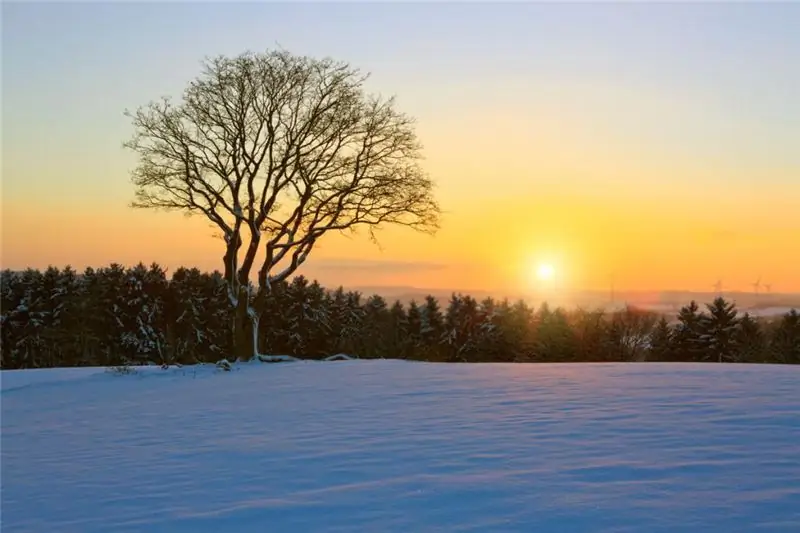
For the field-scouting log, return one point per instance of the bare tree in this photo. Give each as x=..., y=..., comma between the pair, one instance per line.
x=277, y=150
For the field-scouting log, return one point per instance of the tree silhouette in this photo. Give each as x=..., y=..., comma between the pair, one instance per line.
x=718, y=328
x=276, y=151
x=686, y=337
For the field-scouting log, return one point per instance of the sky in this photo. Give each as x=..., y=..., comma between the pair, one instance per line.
x=657, y=145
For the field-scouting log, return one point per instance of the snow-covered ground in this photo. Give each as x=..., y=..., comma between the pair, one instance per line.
x=397, y=446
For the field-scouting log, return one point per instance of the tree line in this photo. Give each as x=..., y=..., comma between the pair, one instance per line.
x=116, y=316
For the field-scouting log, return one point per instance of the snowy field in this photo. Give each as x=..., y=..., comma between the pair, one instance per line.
x=383, y=446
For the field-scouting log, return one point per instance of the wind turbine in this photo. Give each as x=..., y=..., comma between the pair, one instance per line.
x=756, y=285
x=613, y=295
x=768, y=287
x=718, y=287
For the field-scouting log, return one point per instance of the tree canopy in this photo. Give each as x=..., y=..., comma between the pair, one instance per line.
x=282, y=148
x=276, y=150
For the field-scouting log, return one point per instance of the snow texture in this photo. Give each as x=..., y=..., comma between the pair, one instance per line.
x=398, y=446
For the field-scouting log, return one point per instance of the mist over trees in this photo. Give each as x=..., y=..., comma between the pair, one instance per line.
x=115, y=316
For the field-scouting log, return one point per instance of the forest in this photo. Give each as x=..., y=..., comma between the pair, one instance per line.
x=118, y=316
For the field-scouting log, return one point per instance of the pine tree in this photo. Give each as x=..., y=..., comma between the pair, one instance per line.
x=217, y=316
x=190, y=306
x=785, y=343
x=454, y=335
x=750, y=340
x=92, y=318
x=308, y=318
x=473, y=326
x=11, y=295
x=320, y=328
x=661, y=343
x=489, y=342
x=686, y=335
x=414, y=328
x=432, y=329
x=352, y=325
x=115, y=320
x=140, y=315
x=718, y=330
x=69, y=327
x=339, y=319
x=501, y=340
x=399, y=343
x=462, y=329
x=517, y=326
x=29, y=319
x=375, y=334
x=273, y=327
x=49, y=305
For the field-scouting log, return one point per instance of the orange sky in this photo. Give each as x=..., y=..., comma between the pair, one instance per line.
x=494, y=243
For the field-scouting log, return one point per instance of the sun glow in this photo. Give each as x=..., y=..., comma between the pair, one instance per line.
x=545, y=272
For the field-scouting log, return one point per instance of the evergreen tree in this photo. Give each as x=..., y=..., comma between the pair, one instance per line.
x=399, y=343
x=352, y=325
x=11, y=295
x=191, y=331
x=475, y=327
x=661, y=344
x=29, y=320
x=139, y=314
x=517, y=326
x=69, y=327
x=49, y=305
x=750, y=340
x=344, y=326
x=686, y=336
x=376, y=330
x=462, y=329
x=454, y=335
x=432, y=329
x=308, y=318
x=273, y=327
x=115, y=320
x=718, y=330
x=218, y=316
x=91, y=317
x=414, y=328
x=498, y=341
x=786, y=340
x=489, y=341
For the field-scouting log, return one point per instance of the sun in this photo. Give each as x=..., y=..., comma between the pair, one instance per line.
x=545, y=272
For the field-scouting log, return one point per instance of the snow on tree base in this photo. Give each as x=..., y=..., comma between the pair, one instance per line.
x=340, y=357
x=276, y=358
x=227, y=366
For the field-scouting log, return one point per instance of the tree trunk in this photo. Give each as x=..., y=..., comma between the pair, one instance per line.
x=244, y=331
